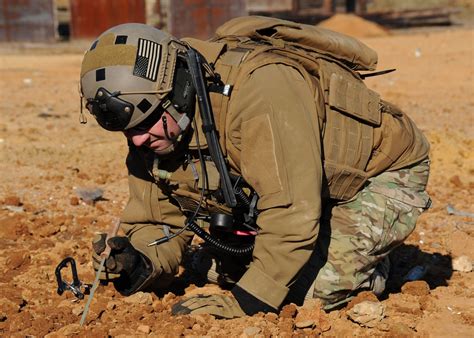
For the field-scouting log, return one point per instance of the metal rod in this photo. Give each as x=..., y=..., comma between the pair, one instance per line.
x=104, y=255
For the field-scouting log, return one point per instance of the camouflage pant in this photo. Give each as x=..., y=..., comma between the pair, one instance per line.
x=354, y=240
x=357, y=235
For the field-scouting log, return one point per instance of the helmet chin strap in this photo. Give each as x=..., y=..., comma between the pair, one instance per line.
x=183, y=122
x=181, y=119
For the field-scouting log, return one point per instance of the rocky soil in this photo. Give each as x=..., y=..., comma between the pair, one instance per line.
x=48, y=159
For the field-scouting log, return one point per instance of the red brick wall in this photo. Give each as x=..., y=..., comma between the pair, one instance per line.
x=200, y=18
x=90, y=18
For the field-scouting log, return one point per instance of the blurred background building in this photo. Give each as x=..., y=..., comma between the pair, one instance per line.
x=53, y=20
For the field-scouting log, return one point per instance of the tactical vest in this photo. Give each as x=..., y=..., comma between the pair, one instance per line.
x=351, y=109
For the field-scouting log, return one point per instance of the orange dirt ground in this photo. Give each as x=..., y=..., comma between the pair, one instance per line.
x=46, y=154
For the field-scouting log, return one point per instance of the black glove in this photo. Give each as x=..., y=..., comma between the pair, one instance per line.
x=125, y=267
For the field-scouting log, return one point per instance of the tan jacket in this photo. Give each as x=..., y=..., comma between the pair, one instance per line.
x=271, y=133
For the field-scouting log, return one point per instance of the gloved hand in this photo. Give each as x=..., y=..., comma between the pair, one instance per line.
x=220, y=306
x=123, y=257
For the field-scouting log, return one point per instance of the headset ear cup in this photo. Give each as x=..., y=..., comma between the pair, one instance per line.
x=183, y=96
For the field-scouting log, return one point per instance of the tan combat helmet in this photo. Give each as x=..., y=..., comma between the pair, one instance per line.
x=128, y=73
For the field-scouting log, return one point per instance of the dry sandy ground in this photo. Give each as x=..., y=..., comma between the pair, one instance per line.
x=46, y=154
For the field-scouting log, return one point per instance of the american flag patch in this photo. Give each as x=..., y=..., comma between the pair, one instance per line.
x=148, y=59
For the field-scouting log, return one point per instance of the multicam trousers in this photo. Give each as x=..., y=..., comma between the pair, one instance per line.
x=354, y=240
x=357, y=235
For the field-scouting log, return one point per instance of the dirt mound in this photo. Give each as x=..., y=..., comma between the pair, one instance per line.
x=354, y=25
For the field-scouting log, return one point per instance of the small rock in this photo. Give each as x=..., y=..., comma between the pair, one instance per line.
x=367, y=313
x=312, y=311
x=158, y=306
x=3, y=317
x=383, y=327
x=401, y=330
x=65, y=303
x=70, y=329
x=18, y=259
x=251, y=330
x=288, y=311
x=13, y=201
x=168, y=299
x=462, y=264
x=140, y=298
x=15, y=209
x=111, y=305
x=362, y=297
x=177, y=330
x=77, y=311
x=408, y=304
x=188, y=321
x=200, y=319
x=455, y=180
x=271, y=317
x=74, y=200
x=285, y=325
x=416, y=288
x=304, y=324
x=144, y=328
x=89, y=195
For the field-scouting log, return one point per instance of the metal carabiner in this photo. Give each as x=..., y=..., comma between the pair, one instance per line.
x=75, y=285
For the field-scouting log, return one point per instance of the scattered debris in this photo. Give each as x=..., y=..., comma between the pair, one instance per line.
x=462, y=264
x=46, y=114
x=367, y=313
x=89, y=195
x=452, y=211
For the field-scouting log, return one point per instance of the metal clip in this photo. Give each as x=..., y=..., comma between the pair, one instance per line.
x=75, y=285
x=82, y=117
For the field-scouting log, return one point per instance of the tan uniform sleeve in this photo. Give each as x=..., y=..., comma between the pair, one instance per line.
x=274, y=124
x=142, y=221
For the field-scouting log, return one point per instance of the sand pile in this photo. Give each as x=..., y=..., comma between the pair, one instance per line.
x=353, y=25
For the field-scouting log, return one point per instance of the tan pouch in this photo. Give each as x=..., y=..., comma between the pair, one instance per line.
x=352, y=97
x=279, y=32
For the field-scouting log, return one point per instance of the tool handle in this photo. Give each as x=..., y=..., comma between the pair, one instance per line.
x=112, y=233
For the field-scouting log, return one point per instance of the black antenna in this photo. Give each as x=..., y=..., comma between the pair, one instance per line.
x=209, y=128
